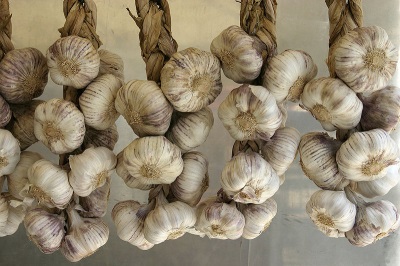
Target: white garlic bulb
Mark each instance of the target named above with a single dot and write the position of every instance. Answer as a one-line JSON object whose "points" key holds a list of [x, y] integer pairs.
{"points": [[287, 73], [191, 79], [73, 61], [248, 178], [16, 213], [191, 184], [144, 107], [84, 236], [90, 169], [258, 217], [365, 156], [95, 205], [365, 59], [318, 160], [44, 229], [48, 184], [9, 152], [281, 149], [240, 54], [153, 160], [97, 102], [5, 112], [331, 212], [111, 63], [101, 138], [129, 180], [190, 130], [250, 113], [59, 125], [332, 103]]}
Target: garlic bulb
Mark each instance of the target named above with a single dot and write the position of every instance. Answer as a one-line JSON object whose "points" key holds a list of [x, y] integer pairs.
{"points": [[381, 109], [90, 169], [22, 124], [365, 59], [286, 74], [101, 138], [48, 184], [16, 213], [5, 112], [44, 229], [248, 178], [219, 220], [73, 61], [281, 149], [191, 184], [153, 160], [59, 125], [258, 217], [190, 130], [9, 152], [331, 212], [332, 103], [144, 107], [365, 156], [128, 217], [95, 205], [318, 160], [240, 54], [4, 211], [84, 236], [250, 113], [111, 63], [191, 79], [17, 180], [129, 180], [97, 102], [23, 75]]}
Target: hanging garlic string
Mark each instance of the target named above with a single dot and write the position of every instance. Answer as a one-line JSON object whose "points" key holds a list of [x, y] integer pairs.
{"points": [[5, 29]]}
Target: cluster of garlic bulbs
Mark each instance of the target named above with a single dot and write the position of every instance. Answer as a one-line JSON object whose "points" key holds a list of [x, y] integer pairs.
{"points": [[363, 160]]}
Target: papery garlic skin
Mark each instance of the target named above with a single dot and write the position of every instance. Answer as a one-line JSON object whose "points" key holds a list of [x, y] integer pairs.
{"points": [[44, 229], [332, 103], [16, 214], [153, 160], [331, 212], [5, 112], [23, 75], [111, 63], [9, 152], [59, 125], [191, 79], [318, 160], [97, 102], [365, 156], [250, 113], [90, 169], [73, 61], [4, 211], [96, 203], [101, 138], [287, 73], [365, 59], [240, 54], [129, 180], [144, 107]]}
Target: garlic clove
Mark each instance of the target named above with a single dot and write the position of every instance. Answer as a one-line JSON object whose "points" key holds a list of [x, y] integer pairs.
{"points": [[111, 63], [5, 112], [129, 180], [9, 152], [101, 138]]}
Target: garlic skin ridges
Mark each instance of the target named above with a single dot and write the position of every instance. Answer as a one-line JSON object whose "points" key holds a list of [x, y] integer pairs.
{"points": [[250, 113], [5, 112], [90, 170], [95, 204], [331, 212], [73, 61], [59, 125], [365, 59], [241, 55], [287, 73], [129, 180], [365, 156], [191, 79], [9, 152], [4, 211], [111, 63], [44, 229]]}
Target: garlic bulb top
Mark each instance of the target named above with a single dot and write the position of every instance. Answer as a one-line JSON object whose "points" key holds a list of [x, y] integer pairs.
{"points": [[111, 63], [59, 125], [332, 103], [9, 152], [286, 74], [5, 112], [90, 169], [365, 59], [23, 75], [191, 79], [365, 156], [250, 113], [73, 61], [240, 54], [144, 107]]}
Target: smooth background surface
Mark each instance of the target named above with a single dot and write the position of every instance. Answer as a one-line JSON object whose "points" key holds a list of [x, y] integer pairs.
{"points": [[292, 239]]}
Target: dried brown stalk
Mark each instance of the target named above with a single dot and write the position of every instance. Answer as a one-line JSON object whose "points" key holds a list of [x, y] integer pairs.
{"points": [[5, 28]]}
